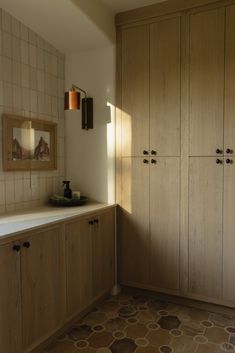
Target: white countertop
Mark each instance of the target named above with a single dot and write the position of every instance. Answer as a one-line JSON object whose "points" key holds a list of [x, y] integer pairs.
{"points": [[20, 221]]}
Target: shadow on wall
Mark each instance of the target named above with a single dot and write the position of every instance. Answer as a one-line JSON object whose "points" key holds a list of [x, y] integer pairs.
{"points": [[100, 15]]}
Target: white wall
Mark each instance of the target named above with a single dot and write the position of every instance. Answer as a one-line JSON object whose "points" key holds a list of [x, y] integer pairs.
{"points": [[90, 154]]}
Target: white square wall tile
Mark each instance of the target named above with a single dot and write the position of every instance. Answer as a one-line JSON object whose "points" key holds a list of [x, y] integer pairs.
{"points": [[33, 101], [19, 190], [16, 51], [33, 78], [24, 48], [27, 190], [33, 55], [16, 73], [7, 95], [24, 32], [6, 44], [2, 193], [15, 27], [6, 69], [25, 75], [40, 81], [17, 101], [6, 21], [25, 99], [9, 191]]}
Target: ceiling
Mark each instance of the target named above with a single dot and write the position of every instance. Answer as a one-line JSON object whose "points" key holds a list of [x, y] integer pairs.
{"points": [[72, 26], [124, 5]]}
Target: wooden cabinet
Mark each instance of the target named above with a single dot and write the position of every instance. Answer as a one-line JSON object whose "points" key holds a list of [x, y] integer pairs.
{"points": [[228, 232], [43, 284], [135, 90], [229, 121], [133, 222], [49, 276], [164, 222], [165, 86], [205, 226], [90, 259], [10, 300], [206, 81], [79, 265], [103, 253]]}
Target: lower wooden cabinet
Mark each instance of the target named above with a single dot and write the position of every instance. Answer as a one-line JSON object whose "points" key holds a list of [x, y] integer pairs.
{"points": [[49, 276], [90, 259], [79, 265], [43, 284], [10, 300]]}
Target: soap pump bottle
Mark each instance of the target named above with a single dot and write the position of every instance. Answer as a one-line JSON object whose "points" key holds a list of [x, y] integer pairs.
{"points": [[67, 190]]}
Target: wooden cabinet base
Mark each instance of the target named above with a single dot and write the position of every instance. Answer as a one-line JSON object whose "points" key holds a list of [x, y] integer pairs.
{"points": [[207, 300], [42, 344]]}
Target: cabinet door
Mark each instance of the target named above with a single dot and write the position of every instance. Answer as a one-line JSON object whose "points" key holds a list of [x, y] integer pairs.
{"points": [[205, 227], [164, 222], [165, 85], [133, 220], [229, 132], [43, 285], [206, 82], [135, 91], [103, 253], [10, 300], [229, 232], [79, 265]]}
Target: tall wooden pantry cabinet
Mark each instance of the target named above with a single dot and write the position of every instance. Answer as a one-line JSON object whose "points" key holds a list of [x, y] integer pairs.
{"points": [[175, 148]]}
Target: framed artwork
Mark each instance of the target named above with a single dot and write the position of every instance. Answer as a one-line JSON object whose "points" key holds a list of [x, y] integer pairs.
{"points": [[28, 144]]}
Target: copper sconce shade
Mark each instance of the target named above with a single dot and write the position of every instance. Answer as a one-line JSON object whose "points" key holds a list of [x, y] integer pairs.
{"points": [[72, 100]]}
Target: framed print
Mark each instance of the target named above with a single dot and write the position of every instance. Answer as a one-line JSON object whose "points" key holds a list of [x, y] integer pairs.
{"points": [[28, 144]]}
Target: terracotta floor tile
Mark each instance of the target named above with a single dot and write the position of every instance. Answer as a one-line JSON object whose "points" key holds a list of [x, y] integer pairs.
{"points": [[183, 344], [217, 335], [159, 338], [143, 324]]}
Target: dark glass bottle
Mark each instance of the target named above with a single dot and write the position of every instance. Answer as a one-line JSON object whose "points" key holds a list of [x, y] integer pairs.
{"points": [[67, 190]]}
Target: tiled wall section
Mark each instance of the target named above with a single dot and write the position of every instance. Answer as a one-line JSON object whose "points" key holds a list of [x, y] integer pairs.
{"points": [[32, 85]]}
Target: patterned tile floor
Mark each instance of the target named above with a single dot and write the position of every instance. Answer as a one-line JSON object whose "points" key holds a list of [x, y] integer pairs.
{"points": [[143, 324]]}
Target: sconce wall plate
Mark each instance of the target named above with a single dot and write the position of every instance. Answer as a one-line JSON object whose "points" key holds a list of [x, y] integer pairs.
{"points": [[87, 113]]}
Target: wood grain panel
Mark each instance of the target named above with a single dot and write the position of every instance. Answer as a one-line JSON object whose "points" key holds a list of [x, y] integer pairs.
{"points": [[79, 265], [229, 127], [103, 254], [205, 227], [165, 87], [133, 235], [10, 300], [135, 91], [164, 222], [43, 285], [206, 82], [228, 233]]}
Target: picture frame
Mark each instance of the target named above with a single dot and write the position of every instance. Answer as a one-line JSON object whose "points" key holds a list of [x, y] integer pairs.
{"points": [[28, 144]]}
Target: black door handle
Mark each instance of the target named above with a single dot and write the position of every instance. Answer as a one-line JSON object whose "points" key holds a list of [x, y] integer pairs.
{"points": [[218, 151], [228, 150], [153, 152], [145, 161], [91, 223], [229, 161], [96, 221], [153, 161], [16, 248], [219, 161], [26, 244], [145, 152]]}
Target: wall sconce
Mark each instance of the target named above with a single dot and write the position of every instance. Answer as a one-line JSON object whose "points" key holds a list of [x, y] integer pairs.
{"points": [[72, 102]]}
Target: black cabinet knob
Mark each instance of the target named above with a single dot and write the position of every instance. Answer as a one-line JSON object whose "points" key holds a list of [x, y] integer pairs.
{"points": [[145, 152], [145, 161], [229, 161], [96, 221], [16, 248], [153, 161], [26, 244], [229, 151], [91, 223], [153, 152], [219, 161], [218, 151]]}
